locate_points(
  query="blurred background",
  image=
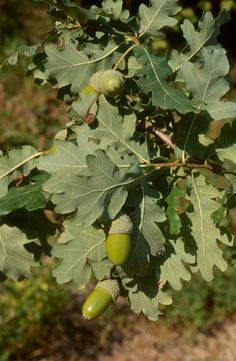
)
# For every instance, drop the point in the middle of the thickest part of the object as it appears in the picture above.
(40, 320)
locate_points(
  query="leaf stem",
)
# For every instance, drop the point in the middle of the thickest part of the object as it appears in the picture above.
(124, 55)
(38, 154)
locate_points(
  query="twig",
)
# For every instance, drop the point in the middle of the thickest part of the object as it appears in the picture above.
(178, 164)
(124, 55)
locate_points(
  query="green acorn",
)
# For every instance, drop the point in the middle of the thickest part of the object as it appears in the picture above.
(100, 298)
(118, 242)
(107, 82)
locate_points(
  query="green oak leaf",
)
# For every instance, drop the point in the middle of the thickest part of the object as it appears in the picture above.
(173, 209)
(228, 157)
(205, 233)
(30, 196)
(206, 34)
(151, 216)
(173, 269)
(114, 8)
(15, 164)
(69, 65)
(160, 13)
(147, 236)
(80, 106)
(145, 296)
(64, 157)
(117, 131)
(207, 84)
(232, 179)
(82, 252)
(153, 79)
(101, 193)
(15, 260)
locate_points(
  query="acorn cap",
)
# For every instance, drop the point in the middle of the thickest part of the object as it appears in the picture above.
(121, 225)
(113, 72)
(96, 80)
(111, 286)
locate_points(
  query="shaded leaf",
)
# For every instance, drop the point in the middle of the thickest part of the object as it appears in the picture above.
(13, 162)
(147, 236)
(15, 260)
(30, 196)
(228, 157)
(174, 199)
(145, 297)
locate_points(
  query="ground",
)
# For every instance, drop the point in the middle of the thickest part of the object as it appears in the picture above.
(135, 338)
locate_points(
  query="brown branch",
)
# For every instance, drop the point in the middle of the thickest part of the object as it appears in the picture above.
(179, 164)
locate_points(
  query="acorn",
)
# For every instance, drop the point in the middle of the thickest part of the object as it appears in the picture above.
(100, 298)
(118, 241)
(107, 82)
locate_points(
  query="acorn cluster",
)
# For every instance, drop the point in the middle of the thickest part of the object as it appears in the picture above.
(118, 247)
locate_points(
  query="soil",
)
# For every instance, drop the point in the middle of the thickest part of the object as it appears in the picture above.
(134, 338)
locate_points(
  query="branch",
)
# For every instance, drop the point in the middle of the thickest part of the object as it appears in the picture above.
(179, 164)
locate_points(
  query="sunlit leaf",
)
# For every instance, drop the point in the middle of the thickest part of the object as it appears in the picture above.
(160, 13)
(82, 253)
(205, 233)
(153, 78)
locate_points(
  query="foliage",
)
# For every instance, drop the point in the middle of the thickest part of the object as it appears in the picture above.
(37, 312)
(146, 152)
(207, 304)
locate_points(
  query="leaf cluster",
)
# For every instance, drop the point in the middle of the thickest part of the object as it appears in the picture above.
(146, 152)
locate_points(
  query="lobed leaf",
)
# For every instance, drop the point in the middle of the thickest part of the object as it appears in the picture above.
(147, 235)
(117, 131)
(30, 196)
(173, 209)
(207, 84)
(153, 79)
(205, 35)
(64, 158)
(69, 66)
(114, 8)
(160, 13)
(145, 296)
(173, 269)
(14, 165)
(101, 193)
(228, 157)
(205, 233)
(15, 260)
(82, 253)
